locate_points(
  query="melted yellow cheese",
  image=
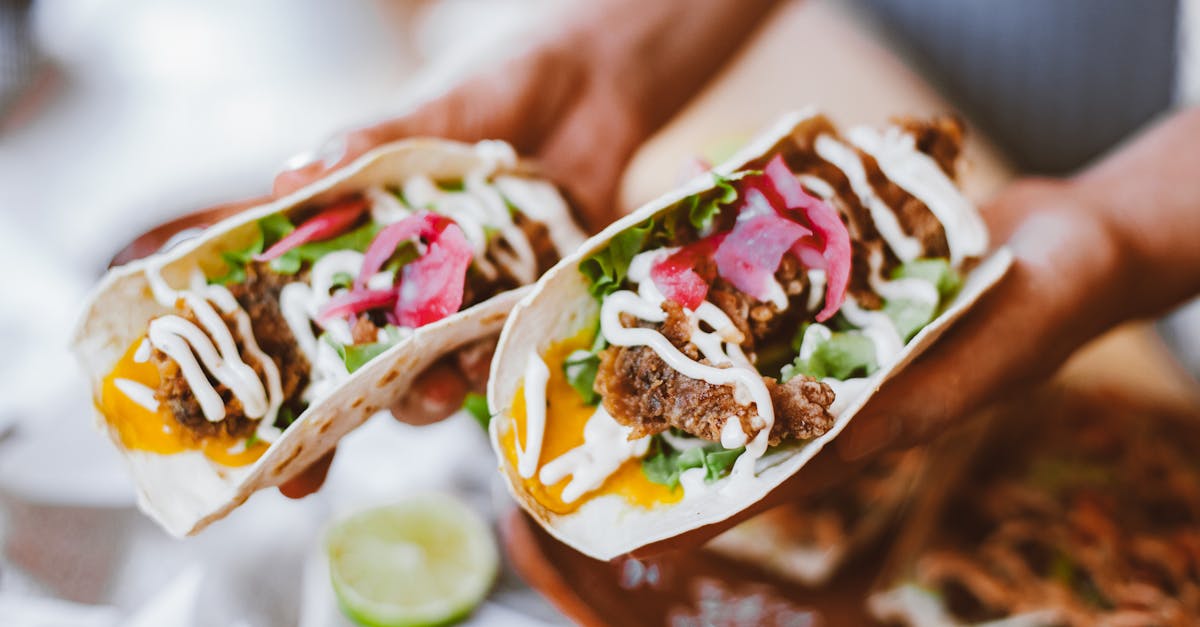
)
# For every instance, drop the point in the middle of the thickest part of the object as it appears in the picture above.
(158, 432)
(566, 415)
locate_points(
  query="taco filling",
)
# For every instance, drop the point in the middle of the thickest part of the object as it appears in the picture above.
(745, 318)
(316, 293)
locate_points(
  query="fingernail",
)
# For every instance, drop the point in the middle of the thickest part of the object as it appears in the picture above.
(327, 155)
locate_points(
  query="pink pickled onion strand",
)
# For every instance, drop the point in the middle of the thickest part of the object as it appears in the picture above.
(750, 255)
(329, 223)
(825, 223)
(347, 303)
(423, 224)
(676, 276)
(431, 287)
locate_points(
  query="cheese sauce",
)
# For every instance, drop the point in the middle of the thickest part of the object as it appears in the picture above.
(140, 424)
(567, 420)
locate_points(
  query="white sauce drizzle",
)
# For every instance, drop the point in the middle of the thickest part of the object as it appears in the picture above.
(479, 204)
(188, 345)
(845, 159)
(816, 289)
(142, 354)
(138, 393)
(606, 446)
(719, 347)
(385, 207)
(918, 174)
(528, 456)
(910, 288)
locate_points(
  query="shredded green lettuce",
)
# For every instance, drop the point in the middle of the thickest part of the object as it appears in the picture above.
(356, 356)
(844, 355)
(934, 270)
(358, 240)
(580, 368)
(664, 464)
(910, 316)
(605, 269)
(476, 405)
(270, 230)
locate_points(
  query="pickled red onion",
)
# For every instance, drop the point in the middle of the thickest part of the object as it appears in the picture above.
(329, 223)
(354, 302)
(424, 224)
(834, 244)
(750, 255)
(431, 287)
(676, 275)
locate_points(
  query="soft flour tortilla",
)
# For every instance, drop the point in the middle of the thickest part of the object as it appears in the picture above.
(559, 306)
(185, 492)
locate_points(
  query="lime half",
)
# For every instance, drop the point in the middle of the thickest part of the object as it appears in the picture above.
(428, 560)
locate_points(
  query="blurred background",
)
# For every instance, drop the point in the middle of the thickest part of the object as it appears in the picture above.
(116, 115)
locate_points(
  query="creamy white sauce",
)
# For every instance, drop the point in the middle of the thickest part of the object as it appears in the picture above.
(537, 374)
(815, 335)
(142, 354)
(910, 288)
(541, 201)
(477, 206)
(188, 345)
(719, 346)
(606, 446)
(849, 162)
(385, 207)
(732, 434)
(877, 327)
(816, 289)
(818, 186)
(138, 393)
(918, 174)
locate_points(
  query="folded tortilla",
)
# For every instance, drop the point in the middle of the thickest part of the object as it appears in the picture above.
(809, 540)
(661, 435)
(1095, 521)
(225, 364)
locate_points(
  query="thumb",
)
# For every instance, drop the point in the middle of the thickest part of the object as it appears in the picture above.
(1056, 296)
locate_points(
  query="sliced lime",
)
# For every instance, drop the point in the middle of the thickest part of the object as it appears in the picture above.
(428, 560)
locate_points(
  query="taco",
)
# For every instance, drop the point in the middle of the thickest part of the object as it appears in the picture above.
(236, 359)
(1096, 521)
(698, 352)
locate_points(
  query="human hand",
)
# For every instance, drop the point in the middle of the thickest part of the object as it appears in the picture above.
(1043, 309)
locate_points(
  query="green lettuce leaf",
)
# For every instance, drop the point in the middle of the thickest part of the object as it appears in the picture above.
(843, 356)
(936, 271)
(270, 229)
(358, 240)
(580, 369)
(605, 270)
(356, 356)
(909, 316)
(476, 405)
(664, 465)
